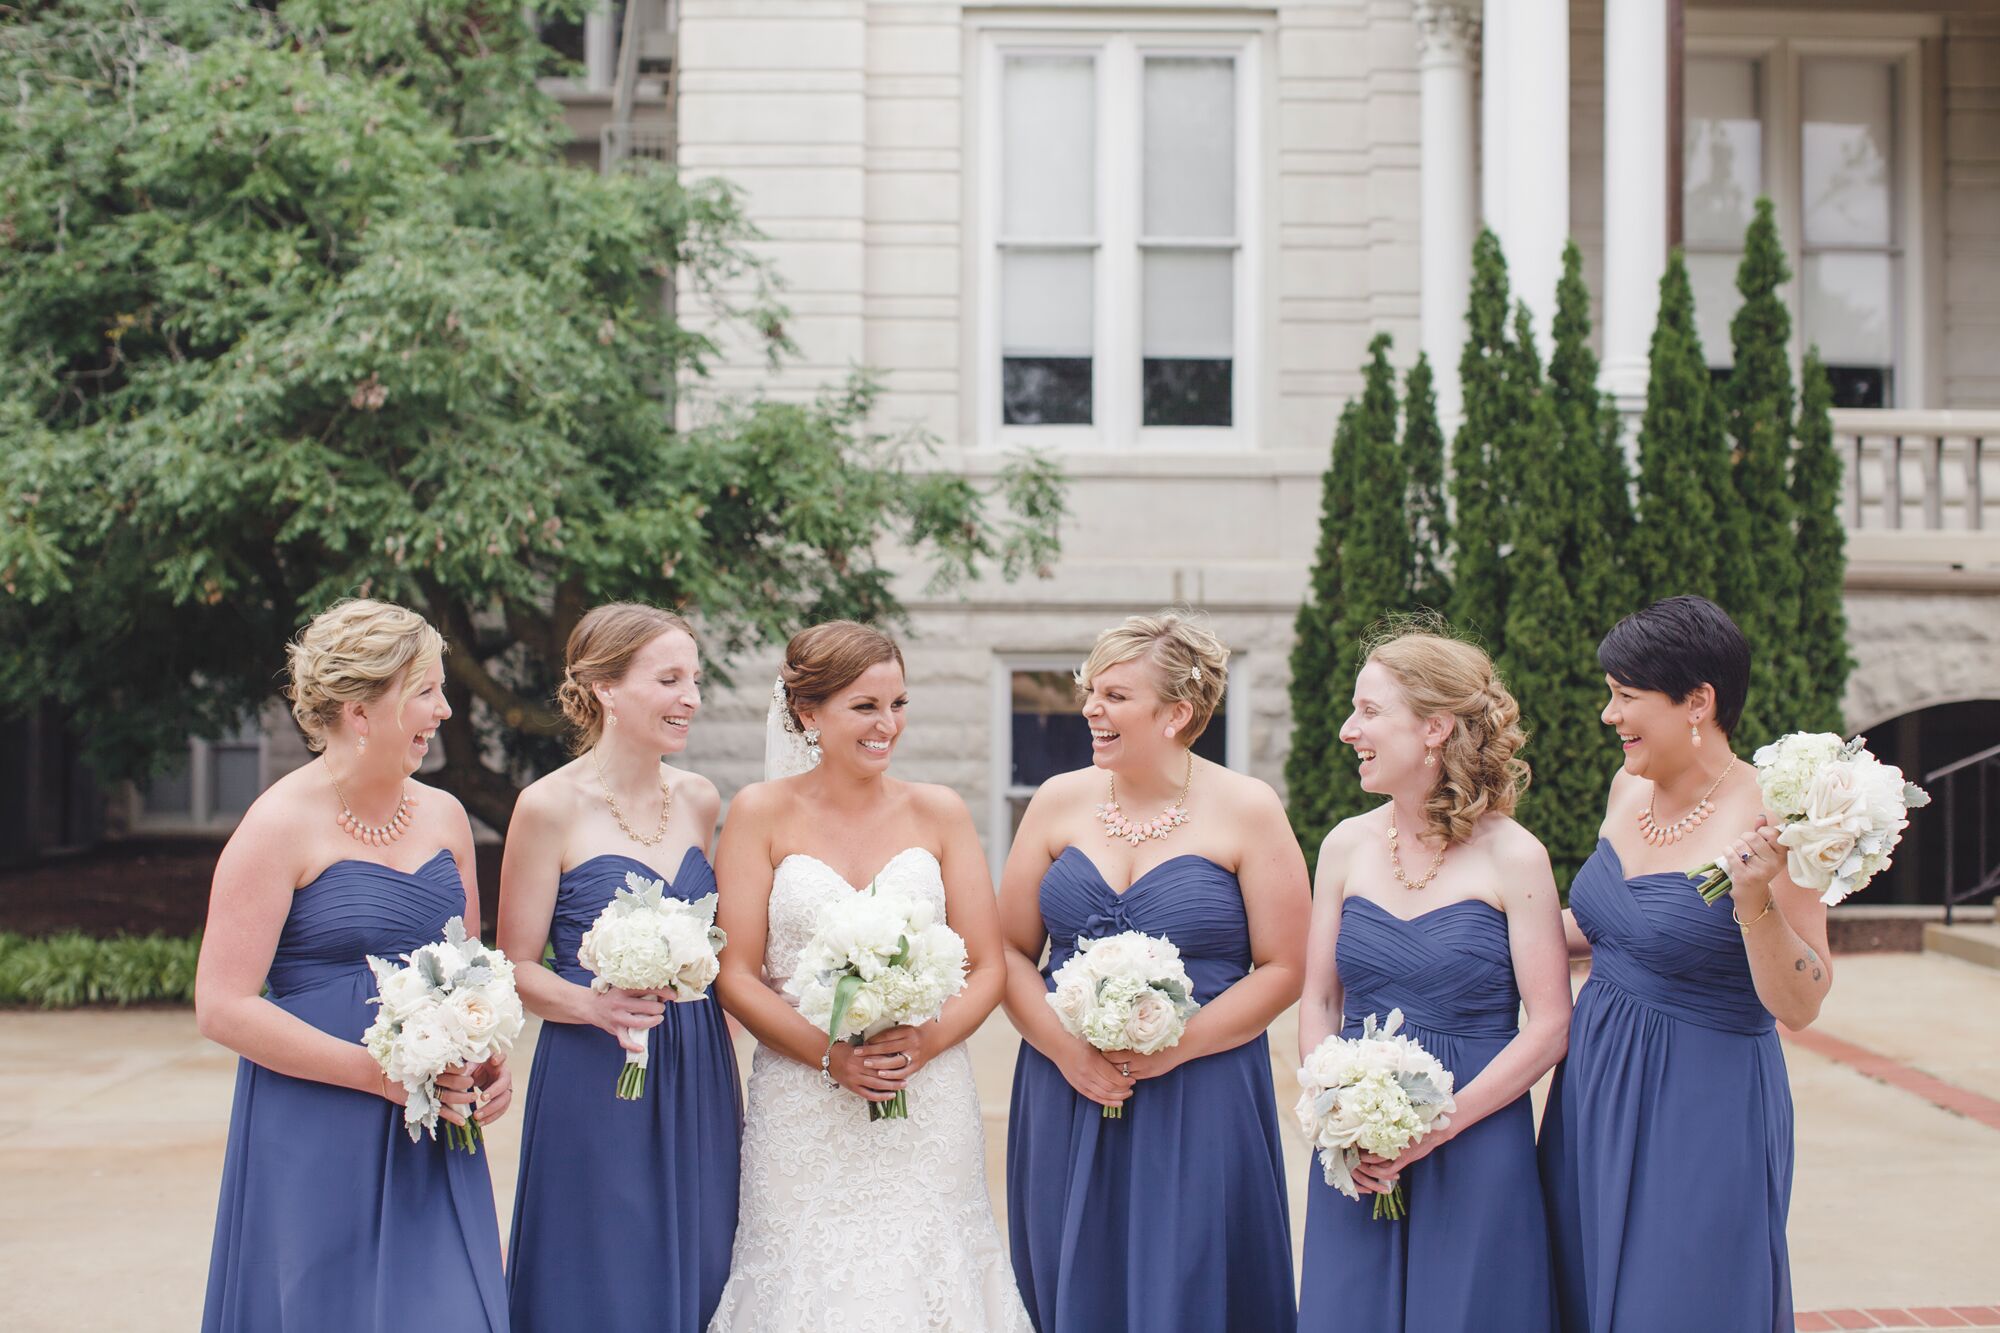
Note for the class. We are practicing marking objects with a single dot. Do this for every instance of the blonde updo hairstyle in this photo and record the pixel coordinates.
(350, 654)
(822, 660)
(1479, 772)
(1190, 664)
(600, 652)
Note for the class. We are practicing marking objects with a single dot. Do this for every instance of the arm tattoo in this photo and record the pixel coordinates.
(1811, 959)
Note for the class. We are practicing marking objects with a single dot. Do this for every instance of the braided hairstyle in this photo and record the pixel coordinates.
(600, 652)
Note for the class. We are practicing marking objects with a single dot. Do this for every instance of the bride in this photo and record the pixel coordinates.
(847, 1223)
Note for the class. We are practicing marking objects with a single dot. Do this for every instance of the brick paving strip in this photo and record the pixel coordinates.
(1918, 1317)
(1947, 1096)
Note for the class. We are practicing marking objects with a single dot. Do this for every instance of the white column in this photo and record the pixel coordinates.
(1448, 35)
(1635, 191)
(1528, 206)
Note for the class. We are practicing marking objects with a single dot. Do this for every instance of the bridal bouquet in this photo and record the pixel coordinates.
(451, 1003)
(1844, 812)
(645, 940)
(1124, 992)
(1376, 1093)
(876, 960)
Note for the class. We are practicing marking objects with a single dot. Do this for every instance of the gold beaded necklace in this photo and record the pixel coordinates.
(1656, 834)
(666, 805)
(1396, 859)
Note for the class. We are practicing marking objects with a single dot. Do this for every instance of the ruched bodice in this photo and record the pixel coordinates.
(586, 887)
(356, 908)
(602, 1179)
(329, 1216)
(1475, 1240)
(1667, 1032)
(1189, 899)
(1653, 938)
(1173, 1216)
(1448, 970)
(801, 883)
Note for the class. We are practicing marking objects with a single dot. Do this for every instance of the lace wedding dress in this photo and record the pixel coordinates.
(845, 1224)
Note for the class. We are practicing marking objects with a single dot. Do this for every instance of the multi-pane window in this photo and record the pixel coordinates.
(1048, 239)
(1820, 134)
(1046, 735)
(1118, 275)
(212, 785)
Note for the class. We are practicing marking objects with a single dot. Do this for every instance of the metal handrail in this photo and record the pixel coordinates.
(1984, 764)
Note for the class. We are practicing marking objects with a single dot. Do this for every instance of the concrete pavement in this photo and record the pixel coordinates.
(112, 1126)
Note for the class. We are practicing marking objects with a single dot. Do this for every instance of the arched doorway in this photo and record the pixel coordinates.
(1920, 742)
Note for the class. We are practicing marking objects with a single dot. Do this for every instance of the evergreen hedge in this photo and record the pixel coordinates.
(71, 969)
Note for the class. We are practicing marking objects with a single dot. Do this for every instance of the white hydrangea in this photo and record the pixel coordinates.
(1785, 768)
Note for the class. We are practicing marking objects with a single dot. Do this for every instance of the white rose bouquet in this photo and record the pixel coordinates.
(877, 960)
(451, 1003)
(1376, 1093)
(1844, 812)
(645, 940)
(1124, 992)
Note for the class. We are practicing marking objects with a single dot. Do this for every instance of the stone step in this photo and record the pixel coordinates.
(1974, 942)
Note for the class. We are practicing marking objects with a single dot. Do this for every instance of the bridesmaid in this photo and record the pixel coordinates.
(625, 1210)
(330, 1217)
(1667, 1145)
(1439, 904)
(1173, 1217)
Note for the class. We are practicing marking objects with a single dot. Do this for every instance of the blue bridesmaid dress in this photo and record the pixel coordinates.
(1473, 1254)
(330, 1218)
(1667, 1144)
(1173, 1217)
(625, 1210)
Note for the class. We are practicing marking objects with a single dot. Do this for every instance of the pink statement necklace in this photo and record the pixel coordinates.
(1656, 834)
(1120, 829)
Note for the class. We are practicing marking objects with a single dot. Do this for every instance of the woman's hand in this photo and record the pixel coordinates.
(864, 1076)
(1137, 1066)
(1095, 1076)
(495, 1084)
(899, 1052)
(1381, 1173)
(456, 1097)
(1753, 861)
(625, 1014)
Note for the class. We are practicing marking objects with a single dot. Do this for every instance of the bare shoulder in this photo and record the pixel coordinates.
(937, 804)
(1241, 793)
(760, 802)
(695, 789)
(1351, 832)
(1073, 785)
(269, 831)
(551, 798)
(1514, 850)
(438, 802)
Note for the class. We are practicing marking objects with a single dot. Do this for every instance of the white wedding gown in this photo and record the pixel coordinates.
(846, 1224)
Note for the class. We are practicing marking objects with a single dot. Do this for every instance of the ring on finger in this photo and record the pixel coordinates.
(907, 1062)
(1744, 857)
(1125, 1069)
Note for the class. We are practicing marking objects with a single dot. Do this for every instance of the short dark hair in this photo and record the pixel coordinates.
(1677, 645)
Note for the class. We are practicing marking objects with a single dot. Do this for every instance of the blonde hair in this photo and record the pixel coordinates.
(1190, 664)
(600, 652)
(822, 660)
(1479, 773)
(349, 653)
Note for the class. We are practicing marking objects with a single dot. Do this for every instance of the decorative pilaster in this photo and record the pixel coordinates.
(1635, 191)
(1448, 44)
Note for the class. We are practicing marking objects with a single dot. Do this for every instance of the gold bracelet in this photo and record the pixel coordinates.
(1743, 925)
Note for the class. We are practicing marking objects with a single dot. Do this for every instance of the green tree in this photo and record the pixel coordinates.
(1822, 557)
(303, 304)
(1375, 553)
(1429, 526)
(1592, 466)
(1683, 456)
(1480, 465)
(1318, 665)
(1759, 400)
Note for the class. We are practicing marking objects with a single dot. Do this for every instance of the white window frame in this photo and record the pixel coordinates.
(1117, 371)
(1000, 752)
(1780, 43)
(201, 815)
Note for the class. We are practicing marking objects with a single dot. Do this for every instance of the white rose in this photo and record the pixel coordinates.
(1836, 818)
(477, 1017)
(1071, 1003)
(423, 1049)
(1154, 1024)
(863, 1012)
(403, 992)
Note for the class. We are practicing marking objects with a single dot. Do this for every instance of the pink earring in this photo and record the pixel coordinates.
(361, 746)
(1694, 731)
(1430, 758)
(1170, 733)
